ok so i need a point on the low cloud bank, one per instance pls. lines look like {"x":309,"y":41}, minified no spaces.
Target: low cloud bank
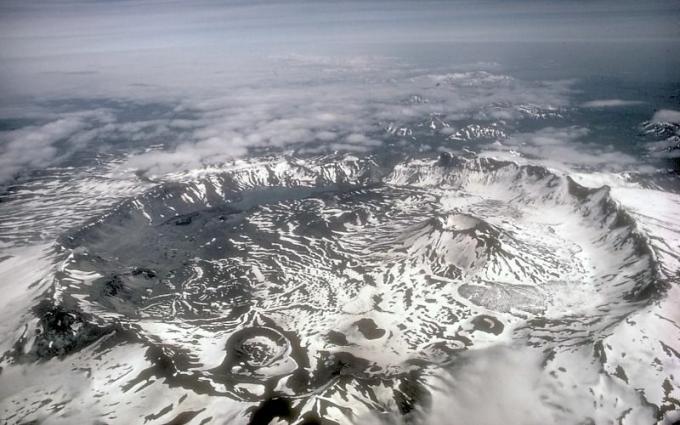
{"x":610,"y":103}
{"x":566,"y":146}
{"x":35,"y":146}
{"x":313,"y":105}
{"x":666,"y":115}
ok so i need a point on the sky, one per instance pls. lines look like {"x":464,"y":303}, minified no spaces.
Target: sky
{"x":51,"y":48}
{"x":104,"y":36}
{"x":35,"y":29}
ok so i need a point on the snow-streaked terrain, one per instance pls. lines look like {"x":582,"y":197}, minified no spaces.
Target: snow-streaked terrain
{"x":347,"y":289}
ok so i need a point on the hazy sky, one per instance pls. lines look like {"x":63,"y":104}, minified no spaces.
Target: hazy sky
{"x":135,"y":38}
{"x":30,"y":29}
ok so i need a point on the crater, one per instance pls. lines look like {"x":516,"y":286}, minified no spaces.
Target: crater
{"x":258,"y":351}
{"x":422,"y":246}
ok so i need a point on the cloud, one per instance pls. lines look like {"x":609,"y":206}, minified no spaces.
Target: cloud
{"x":34,"y":146}
{"x":550,"y":136}
{"x":313,"y":105}
{"x":610,"y":103}
{"x":70,"y":27}
{"x":494,"y":386}
{"x":191,"y":155}
{"x":566,"y":146}
{"x":62,"y":132}
{"x":666,"y":115}
{"x":340,"y":110}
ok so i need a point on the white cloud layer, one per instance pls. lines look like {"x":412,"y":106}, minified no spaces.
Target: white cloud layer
{"x":610,"y":103}
{"x":312,"y":105}
{"x":667,"y":115}
{"x":567,"y":146}
{"x":342,"y":110}
{"x":35,"y":146}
